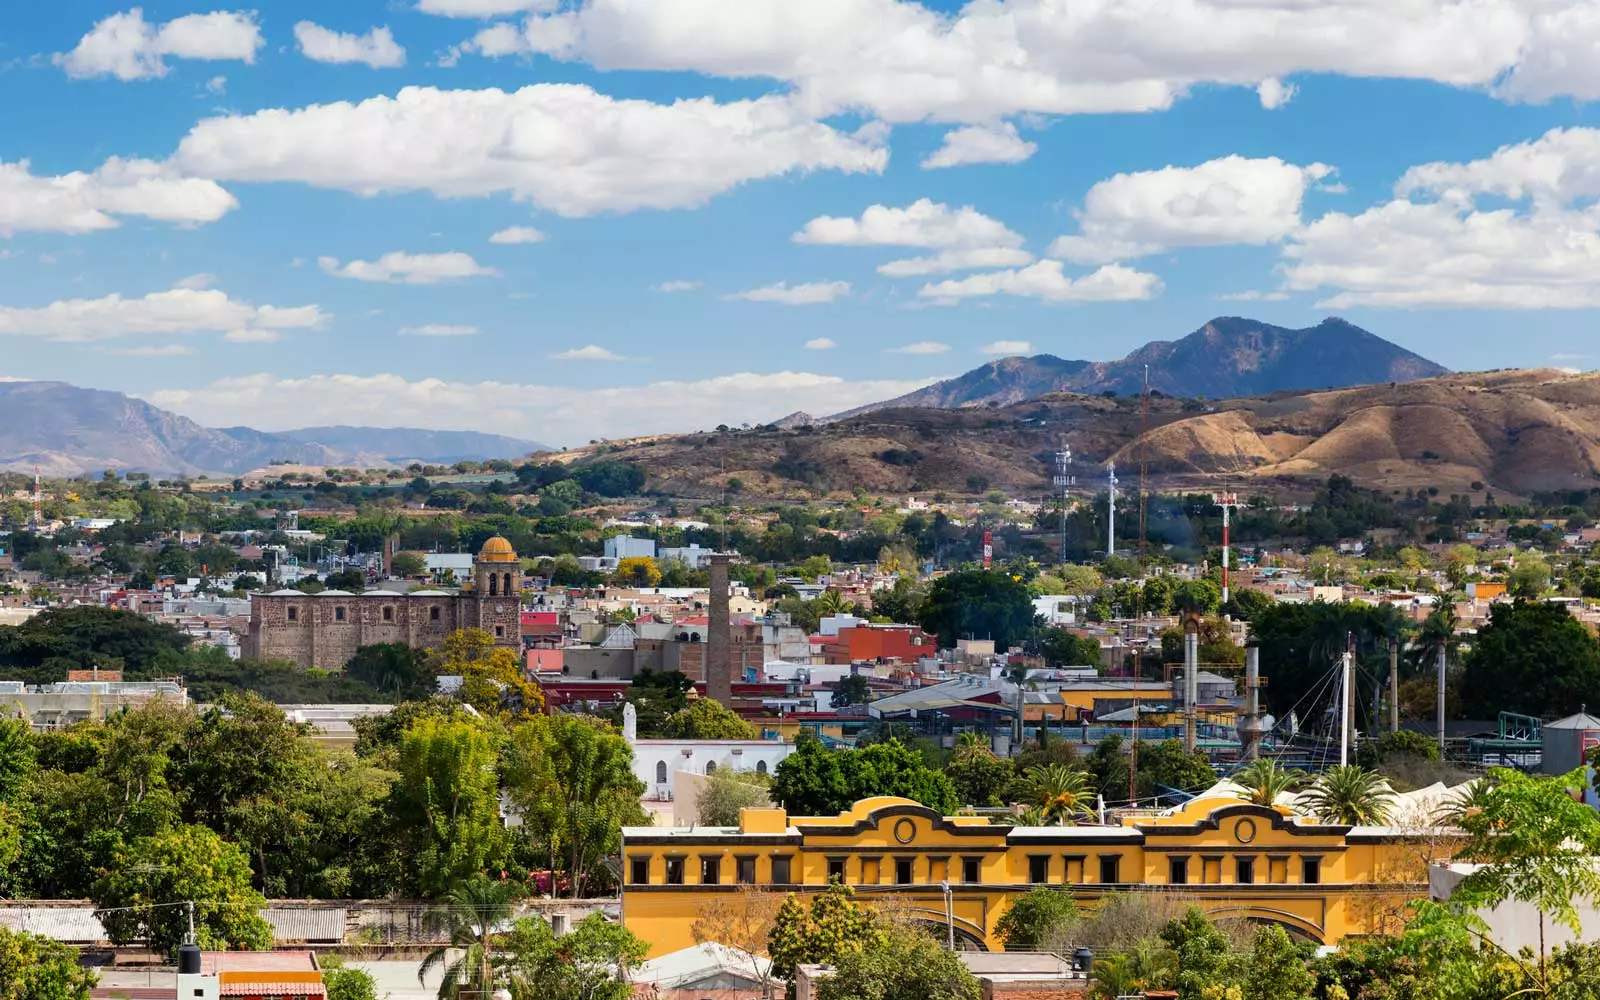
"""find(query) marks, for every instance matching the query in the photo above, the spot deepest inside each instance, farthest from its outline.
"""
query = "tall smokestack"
(1191, 683)
(1250, 728)
(719, 675)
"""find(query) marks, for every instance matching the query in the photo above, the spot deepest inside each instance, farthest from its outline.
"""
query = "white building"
(1057, 609)
(621, 547)
(693, 555)
(657, 763)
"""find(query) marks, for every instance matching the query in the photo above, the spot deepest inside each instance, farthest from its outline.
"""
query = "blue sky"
(282, 216)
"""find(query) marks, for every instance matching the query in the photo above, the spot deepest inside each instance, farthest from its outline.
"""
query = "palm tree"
(969, 744)
(1263, 781)
(1142, 967)
(1064, 793)
(468, 916)
(1466, 801)
(830, 602)
(1352, 796)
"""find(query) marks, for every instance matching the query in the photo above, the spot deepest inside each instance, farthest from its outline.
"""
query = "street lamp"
(949, 915)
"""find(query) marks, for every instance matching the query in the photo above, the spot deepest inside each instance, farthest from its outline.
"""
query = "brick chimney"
(719, 675)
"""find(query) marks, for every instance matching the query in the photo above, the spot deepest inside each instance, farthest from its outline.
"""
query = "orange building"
(868, 643)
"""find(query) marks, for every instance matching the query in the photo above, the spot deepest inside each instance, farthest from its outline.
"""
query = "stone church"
(324, 630)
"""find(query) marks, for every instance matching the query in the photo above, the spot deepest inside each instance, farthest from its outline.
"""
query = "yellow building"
(1232, 858)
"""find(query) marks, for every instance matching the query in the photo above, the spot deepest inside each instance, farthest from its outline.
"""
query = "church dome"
(497, 550)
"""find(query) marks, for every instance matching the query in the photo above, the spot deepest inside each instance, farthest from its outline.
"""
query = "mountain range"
(1510, 432)
(1228, 357)
(65, 430)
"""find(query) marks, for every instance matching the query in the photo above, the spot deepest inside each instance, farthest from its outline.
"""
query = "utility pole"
(1347, 736)
(1191, 682)
(1394, 684)
(1443, 657)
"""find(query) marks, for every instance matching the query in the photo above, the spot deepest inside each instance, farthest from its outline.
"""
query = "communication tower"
(1228, 502)
(1063, 482)
(1111, 509)
(36, 523)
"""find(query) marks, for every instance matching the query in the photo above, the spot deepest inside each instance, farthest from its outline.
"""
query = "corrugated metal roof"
(1582, 720)
(306, 923)
(59, 923)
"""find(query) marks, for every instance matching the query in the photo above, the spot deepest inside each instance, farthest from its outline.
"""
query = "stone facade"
(324, 630)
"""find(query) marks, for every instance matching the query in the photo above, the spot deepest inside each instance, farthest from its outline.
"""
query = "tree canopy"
(1533, 658)
(817, 781)
(978, 604)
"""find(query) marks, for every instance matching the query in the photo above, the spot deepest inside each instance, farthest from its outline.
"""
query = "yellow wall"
(1363, 876)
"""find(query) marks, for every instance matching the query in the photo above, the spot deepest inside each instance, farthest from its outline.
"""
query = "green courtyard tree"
(817, 781)
(726, 792)
(1037, 917)
(978, 604)
(446, 806)
(466, 919)
(589, 962)
(1533, 658)
(37, 968)
(708, 719)
(571, 779)
(834, 926)
(907, 964)
(140, 898)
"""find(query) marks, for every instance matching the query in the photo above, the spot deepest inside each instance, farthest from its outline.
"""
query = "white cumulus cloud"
(439, 330)
(399, 267)
(180, 310)
(128, 47)
(377, 48)
(154, 351)
(980, 144)
(516, 235)
(905, 61)
(809, 294)
(1007, 348)
(672, 287)
(923, 223)
(563, 147)
(820, 344)
(956, 260)
(1274, 93)
(84, 202)
(1223, 201)
(483, 8)
(557, 413)
(590, 352)
(921, 347)
(1046, 281)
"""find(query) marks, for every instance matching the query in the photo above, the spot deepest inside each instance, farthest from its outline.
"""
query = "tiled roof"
(264, 989)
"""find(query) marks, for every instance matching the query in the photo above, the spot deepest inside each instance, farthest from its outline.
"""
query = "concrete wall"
(326, 630)
(1514, 926)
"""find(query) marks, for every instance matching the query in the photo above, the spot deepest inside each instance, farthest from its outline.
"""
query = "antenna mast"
(1228, 502)
(1111, 509)
(1063, 482)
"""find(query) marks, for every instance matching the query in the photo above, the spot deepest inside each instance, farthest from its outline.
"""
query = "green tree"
(571, 779)
(1202, 954)
(353, 580)
(906, 965)
(1245, 603)
(817, 781)
(980, 778)
(1197, 597)
(1530, 578)
(834, 926)
(1167, 765)
(492, 677)
(446, 806)
(465, 919)
(727, 791)
(637, 571)
(1350, 796)
(185, 864)
(1535, 843)
(37, 968)
(902, 602)
(1037, 918)
(854, 689)
(1064, 794)
(1300, 644)
(978, 604)
(1533, 658)
(1276, 970)
(343, 983)
(1062, 648)
(407, 564)
(589, 962)
(655, 695)
(1263, 781)
(42, 649)
(707, 719)
(394, 668)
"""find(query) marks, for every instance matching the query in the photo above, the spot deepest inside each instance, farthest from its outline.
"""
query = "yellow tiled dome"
(497, 550)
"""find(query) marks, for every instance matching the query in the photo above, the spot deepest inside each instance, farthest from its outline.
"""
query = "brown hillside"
(1516, 432)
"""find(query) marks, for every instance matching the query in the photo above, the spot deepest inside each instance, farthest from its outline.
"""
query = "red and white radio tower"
(1227, 501)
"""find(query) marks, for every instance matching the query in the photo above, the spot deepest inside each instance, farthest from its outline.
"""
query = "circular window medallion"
(904, 831)
(1245, 832)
